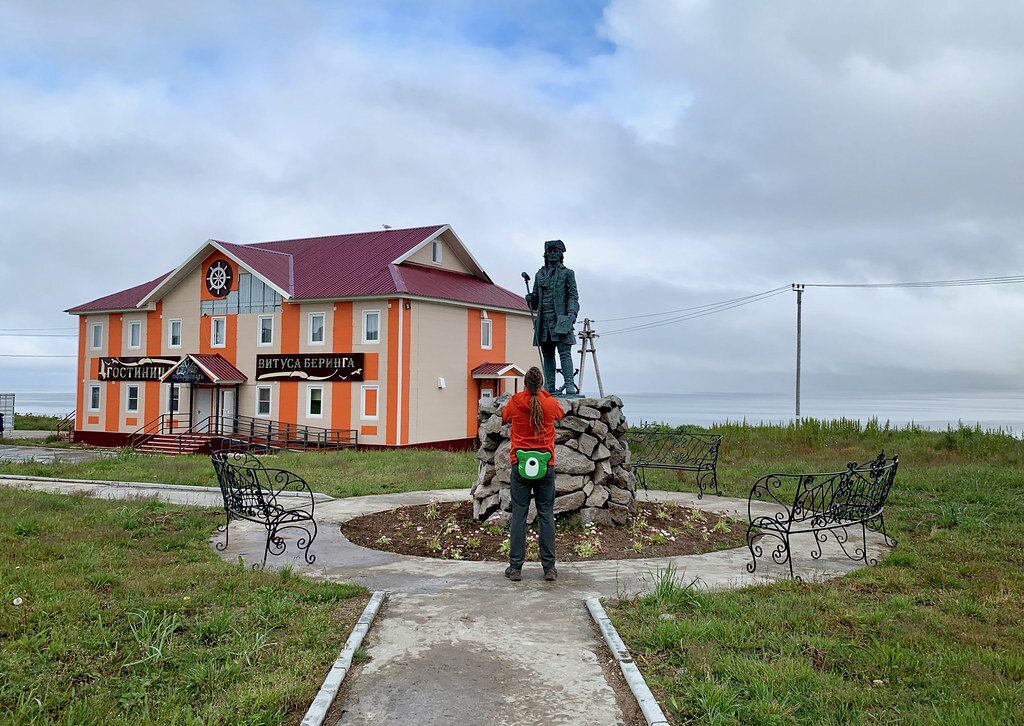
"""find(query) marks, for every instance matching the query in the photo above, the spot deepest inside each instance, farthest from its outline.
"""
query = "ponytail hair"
(533, 382)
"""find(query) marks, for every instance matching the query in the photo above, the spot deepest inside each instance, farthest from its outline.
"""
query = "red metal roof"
(218, 367)
(495, 369)
(345, 266)
(124, 300)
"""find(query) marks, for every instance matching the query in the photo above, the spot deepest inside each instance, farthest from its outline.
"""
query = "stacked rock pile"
(593, 472)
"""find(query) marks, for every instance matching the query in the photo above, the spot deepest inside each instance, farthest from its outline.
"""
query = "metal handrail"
(253, 431)
(66, 426)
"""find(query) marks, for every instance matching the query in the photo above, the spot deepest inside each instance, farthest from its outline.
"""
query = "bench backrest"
(855, 494)
(251, 489)
(672, 448)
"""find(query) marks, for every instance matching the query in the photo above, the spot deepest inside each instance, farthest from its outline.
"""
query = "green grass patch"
(337, 473)
(934, 634)
(125, 615)
(36, 421)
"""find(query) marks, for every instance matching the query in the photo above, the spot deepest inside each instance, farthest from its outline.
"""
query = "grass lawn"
(127, 616)
(36, 421)
(935, 634)
(338, 473)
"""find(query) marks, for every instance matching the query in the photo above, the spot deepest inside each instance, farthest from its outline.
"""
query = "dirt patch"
(448, 531)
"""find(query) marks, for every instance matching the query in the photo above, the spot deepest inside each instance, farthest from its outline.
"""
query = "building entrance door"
(202, 408)
(227, 411)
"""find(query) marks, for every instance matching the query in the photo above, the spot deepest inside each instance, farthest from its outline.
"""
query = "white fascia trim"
(511, 367)
(478, 270)
(186, 267)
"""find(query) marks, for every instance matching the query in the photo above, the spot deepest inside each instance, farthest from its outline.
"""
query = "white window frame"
(367, 314)
(135, 325)
(309, 401)
(362, 403)
(213, 331)
(486, 324)
(170, 333)
(437, 252)
(323, 329)
(128, 397)
(259, 331)
(93, 327)
(270, 401)
(173, 406)
(99, 397)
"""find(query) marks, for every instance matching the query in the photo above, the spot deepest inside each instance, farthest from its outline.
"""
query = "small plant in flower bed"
(448, 531)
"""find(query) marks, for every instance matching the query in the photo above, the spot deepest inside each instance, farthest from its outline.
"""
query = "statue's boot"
(568, 370)
(548, 357)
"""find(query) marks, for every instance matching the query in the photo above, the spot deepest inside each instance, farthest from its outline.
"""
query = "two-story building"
(394, 334)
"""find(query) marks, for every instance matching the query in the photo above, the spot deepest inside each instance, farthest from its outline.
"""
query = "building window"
(172, 400)
(262, 400)
(94, 398)
(371, 326)
(368, 402)
(315, 401)
(135, 334)
(485, 334)
(131, 401)
(316, 328)
(436, 251)
(487, 393)
(218, 326)
(97, 336)
(174, 333)
(266, 333)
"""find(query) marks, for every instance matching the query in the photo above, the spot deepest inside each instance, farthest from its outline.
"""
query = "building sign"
(135, 368)
(334, 367)
(187, 372)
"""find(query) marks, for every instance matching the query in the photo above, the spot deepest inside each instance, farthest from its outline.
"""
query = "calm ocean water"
(989, 410)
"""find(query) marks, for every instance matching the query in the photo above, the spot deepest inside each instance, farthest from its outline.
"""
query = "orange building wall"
(391, 392)
(288, 391)
(476, 355)
(154, 346)
(80, 396)
(341, 393)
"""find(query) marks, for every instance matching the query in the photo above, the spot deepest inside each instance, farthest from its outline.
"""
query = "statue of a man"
(556, 302)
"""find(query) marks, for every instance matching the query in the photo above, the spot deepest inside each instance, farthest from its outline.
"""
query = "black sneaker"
(514, 574)
(551, 574)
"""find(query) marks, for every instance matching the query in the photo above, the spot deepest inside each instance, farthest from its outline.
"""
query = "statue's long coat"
(567, 301)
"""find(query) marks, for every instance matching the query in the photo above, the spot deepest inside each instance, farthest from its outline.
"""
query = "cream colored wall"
(438, 350)
(182, 301)
(519, 342)
(449, 260)
(381, 348)
(126, 321)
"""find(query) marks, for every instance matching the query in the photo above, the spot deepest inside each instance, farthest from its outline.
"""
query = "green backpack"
(533, 465)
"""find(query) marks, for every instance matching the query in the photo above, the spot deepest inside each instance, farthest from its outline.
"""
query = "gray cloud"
(713, 150)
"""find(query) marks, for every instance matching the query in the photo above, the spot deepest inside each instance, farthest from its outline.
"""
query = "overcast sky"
(687, 152)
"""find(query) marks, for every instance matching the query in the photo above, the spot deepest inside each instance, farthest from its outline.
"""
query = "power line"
(966, 282)
(695, 307)
(6, 330)
(722, 307)
(26, 355)
(38, 335)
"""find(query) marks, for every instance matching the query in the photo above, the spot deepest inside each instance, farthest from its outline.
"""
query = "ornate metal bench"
(275, 498)
(678, 451)
(822, 504)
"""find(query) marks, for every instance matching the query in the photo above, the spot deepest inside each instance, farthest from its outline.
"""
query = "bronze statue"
(556, 302)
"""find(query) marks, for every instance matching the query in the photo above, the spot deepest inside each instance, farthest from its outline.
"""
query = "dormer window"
(436, 251)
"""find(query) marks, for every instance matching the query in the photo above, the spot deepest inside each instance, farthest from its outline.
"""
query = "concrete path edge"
(634, 678)
(317, 496)
(332, 683)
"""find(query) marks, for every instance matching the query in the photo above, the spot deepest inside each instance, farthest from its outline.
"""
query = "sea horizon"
(993, 410)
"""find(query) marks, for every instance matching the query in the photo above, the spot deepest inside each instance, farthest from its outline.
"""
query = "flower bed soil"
(448, 531)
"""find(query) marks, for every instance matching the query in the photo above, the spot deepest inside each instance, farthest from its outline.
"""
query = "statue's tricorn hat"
(554, 244)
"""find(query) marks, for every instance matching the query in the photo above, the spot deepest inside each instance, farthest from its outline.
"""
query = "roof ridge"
(343, 234)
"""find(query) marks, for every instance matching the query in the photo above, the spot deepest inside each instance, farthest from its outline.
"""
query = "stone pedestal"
(594, 476)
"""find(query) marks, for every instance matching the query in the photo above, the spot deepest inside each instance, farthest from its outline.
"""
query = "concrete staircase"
(175, 444)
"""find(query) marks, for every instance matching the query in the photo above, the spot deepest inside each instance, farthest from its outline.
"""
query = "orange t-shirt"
(524, 438)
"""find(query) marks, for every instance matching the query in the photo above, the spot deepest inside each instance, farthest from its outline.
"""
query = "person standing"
(532, 414)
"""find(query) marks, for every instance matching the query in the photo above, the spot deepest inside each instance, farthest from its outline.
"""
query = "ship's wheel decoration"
(218, 278)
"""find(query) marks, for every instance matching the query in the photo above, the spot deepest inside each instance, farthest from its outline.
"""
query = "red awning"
(217, 369)
(498, 370)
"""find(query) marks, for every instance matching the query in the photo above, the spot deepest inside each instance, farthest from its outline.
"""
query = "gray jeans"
(522, 490)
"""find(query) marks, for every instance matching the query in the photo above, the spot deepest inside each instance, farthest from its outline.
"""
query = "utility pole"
(799, 290)
(587, 337)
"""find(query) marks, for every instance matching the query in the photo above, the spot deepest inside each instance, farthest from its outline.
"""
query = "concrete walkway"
(458, 643)
(47, 455)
